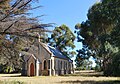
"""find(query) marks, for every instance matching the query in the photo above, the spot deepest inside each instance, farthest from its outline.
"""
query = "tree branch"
(10, 26)
(21, 34)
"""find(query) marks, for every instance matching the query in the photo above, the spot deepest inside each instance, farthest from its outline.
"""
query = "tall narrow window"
(58, 65)
(45, 65)
(48, 64)
(64, 65)
(55, 64)
(61, 64)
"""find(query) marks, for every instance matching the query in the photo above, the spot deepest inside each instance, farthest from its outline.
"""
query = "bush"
(113, 67)
(8, 69)
(97, 68)
(79, 68)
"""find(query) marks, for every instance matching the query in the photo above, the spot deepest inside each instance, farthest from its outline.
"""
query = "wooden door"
(31, 69)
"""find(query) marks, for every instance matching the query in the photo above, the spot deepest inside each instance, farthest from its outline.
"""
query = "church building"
(45, 60)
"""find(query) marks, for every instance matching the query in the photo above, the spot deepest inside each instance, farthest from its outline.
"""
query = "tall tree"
(63, 39)
(17, 29)
(96, 32)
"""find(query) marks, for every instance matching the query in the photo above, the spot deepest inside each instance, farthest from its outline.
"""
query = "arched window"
(45, 64)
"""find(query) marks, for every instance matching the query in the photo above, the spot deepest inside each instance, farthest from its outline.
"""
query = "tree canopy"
(63, 39)
(99, 33)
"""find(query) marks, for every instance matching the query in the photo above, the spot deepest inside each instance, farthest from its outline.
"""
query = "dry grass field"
(80, 77)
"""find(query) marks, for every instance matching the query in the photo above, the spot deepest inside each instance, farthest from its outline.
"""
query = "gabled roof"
(55, 52)
(27, 57)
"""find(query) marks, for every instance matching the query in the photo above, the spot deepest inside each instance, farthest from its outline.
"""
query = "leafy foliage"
(82, 55)
(63, 39)
(100, 32)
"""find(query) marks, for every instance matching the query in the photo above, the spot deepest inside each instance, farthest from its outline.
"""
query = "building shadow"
(90, 82)
(87, 74)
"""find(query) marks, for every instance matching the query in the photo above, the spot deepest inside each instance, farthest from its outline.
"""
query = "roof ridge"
(54, 51)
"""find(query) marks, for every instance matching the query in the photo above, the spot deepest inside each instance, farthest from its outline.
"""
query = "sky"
(68, 12)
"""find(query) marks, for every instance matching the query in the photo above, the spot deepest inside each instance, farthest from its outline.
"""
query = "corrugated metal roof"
(55, 52)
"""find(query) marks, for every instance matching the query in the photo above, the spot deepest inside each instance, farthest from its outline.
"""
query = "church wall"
(61, 66)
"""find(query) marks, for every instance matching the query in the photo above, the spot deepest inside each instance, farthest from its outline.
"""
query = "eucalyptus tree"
(63, 39)
(98, 32)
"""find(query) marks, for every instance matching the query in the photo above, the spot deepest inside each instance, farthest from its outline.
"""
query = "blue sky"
(69, 12)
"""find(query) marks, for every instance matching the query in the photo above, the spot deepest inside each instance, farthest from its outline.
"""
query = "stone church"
(46, 60)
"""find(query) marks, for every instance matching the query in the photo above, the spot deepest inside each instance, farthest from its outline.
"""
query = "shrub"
(113, 67)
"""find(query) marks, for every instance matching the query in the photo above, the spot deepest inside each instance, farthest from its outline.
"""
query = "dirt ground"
(80, 77)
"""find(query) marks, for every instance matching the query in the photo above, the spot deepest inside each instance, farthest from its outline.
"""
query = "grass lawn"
(80, 77)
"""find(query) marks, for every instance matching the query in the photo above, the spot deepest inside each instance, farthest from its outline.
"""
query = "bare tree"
(17, 29)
